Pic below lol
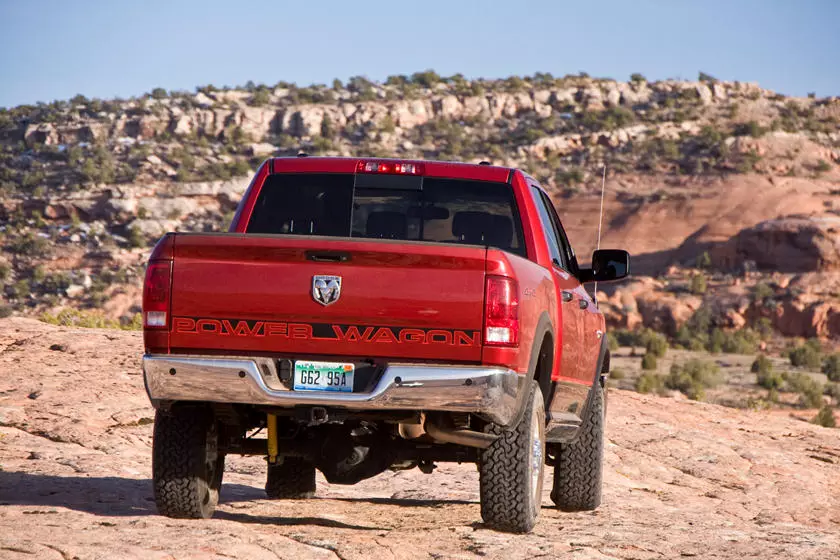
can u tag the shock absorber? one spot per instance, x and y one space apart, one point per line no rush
271 425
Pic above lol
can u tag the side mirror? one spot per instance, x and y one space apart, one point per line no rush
608 265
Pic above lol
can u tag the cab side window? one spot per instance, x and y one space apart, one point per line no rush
563 240
557 256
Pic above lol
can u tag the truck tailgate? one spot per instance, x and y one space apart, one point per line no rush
237 294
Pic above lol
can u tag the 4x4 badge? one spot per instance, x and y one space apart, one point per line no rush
326 289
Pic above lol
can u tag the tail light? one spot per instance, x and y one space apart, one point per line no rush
501 312
156 295
392 167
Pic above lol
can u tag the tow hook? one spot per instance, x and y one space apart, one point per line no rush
318 415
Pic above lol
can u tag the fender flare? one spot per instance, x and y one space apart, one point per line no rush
598 380
544 327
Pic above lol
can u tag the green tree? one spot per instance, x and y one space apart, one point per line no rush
762 364
327 127
808 355
698 284
831 367
656 344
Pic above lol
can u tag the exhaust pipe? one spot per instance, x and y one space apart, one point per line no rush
458 436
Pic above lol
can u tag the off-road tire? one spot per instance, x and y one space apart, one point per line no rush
293 479
187 467
579 466
511 490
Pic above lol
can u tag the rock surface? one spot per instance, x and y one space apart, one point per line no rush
788 244
682 480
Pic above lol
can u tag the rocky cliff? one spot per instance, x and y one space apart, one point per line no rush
725 172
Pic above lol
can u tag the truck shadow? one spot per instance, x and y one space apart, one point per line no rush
407 502
113 496
107 496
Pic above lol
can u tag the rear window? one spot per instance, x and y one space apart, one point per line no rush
389 207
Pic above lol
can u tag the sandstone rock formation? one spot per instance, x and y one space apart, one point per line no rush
682 479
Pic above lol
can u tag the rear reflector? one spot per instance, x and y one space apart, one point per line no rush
501 313
156 294
392 167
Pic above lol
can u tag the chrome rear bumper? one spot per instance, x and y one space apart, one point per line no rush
494 393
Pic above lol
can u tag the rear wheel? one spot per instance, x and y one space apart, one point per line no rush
578 467
511 470
294 478
187 467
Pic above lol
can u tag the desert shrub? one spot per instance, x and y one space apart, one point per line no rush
136 238
750 128
770 380
742 341
568 176
260 97
6 310
649 361
425 79
822 166
28 244
649 383
327 127
612 341
626 337
762 292
387 124
698 284
55 282
810 391
637 77
831 367
703 77
617 373
656 344
133 324
762 364
717 338
80 318
693 378
825 417
832 390
809 355
704 260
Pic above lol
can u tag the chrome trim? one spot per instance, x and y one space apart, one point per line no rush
495 393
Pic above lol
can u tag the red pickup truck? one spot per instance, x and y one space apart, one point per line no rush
374 314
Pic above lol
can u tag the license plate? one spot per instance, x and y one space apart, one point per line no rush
324 376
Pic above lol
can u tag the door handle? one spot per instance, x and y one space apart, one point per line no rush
583 304
567 296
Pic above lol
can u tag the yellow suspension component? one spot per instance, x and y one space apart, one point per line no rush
272 438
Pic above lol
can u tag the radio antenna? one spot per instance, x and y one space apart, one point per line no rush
600 222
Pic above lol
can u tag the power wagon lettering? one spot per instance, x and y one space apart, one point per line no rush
325 331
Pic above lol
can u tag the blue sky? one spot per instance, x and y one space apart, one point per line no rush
106 48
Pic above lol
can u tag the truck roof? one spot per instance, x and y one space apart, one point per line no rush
430 168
